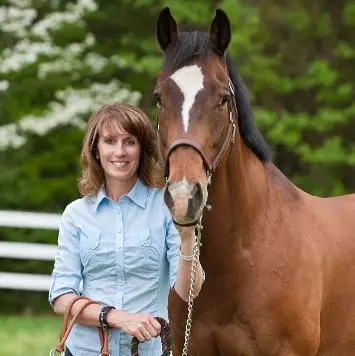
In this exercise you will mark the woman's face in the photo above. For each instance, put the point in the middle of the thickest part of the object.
(119, 155)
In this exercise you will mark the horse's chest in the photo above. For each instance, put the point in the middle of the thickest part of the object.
(225, 330)
(224, 340)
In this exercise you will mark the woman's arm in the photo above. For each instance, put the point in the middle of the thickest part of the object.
(182, 238)
(141, 325)
(88, 317)
(183, 277)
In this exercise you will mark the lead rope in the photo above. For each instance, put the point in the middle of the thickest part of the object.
(195, 258)
(165, 336)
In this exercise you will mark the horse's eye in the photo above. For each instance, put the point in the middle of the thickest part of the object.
(224, 100)
(158, 101)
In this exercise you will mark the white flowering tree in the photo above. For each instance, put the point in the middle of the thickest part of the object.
(52, 56)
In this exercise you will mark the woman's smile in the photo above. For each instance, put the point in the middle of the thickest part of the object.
(120, 164)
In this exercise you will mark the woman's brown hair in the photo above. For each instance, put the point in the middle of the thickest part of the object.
(135, 122)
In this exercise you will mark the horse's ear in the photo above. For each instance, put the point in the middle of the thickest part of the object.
(220, 32)
(167, 30)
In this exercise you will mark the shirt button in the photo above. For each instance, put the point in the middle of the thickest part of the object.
(119, 231)
(121, 284)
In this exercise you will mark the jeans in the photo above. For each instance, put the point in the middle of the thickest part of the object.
(67, 352)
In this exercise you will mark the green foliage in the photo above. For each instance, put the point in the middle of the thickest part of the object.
(302, 84)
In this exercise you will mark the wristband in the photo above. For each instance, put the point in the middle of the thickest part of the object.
(103, 316)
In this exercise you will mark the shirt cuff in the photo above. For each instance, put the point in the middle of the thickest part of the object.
(60, 285)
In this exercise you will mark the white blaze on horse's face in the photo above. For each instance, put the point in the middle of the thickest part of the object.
(190, 81)
(180, 193)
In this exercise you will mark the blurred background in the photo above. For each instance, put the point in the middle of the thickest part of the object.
(60, 60)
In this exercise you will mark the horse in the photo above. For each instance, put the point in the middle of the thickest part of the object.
(279, 262)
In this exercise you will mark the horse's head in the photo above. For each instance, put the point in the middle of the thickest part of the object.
(195, 111)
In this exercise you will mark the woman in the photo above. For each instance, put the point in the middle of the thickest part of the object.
(119, 239)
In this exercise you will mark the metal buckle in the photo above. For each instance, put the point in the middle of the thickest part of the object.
(157, 127)
(209, 177)
(231, 87)
(233, 126)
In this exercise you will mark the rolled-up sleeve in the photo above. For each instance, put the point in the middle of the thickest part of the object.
(67, 272)
(173, 245)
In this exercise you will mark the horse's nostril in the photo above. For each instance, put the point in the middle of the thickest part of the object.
(196, 195)
(167, 196)
(194, 189)
(196, 200)
(197, 191)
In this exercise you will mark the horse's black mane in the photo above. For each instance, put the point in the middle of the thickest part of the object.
(195, 43)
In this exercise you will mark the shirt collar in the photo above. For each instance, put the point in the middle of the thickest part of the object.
(138, 194)
(100, 196)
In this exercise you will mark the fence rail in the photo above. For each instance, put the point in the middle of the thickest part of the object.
(27, 251)
(29, 220)
(32, 251)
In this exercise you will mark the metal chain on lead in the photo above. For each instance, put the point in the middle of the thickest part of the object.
(195, 258)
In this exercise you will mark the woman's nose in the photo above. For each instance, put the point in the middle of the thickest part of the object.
(120, 150)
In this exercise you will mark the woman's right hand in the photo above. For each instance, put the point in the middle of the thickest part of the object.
(141, 325)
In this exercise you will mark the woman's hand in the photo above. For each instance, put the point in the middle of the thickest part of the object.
(141, 325)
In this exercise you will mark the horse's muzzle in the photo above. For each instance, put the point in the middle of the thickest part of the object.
(185, 201)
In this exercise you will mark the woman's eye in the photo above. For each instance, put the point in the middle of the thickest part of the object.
(109, 141)
(130, 142)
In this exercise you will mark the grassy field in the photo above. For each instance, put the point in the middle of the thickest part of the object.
(28, 336)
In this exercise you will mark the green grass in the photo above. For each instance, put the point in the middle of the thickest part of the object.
(28, 336)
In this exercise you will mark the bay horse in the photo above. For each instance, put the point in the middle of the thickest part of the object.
(279, 263)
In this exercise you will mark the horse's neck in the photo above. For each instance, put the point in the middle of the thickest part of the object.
(242, 196)
(242, 183)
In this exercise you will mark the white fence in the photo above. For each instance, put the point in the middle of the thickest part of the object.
(19, 250)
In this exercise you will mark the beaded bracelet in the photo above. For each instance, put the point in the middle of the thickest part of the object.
(186, 258)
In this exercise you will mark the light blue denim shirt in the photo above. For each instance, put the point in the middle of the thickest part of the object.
(126, 255)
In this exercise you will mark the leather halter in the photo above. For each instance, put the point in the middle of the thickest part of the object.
(209, 164)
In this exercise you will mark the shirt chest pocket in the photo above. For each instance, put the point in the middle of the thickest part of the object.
(95, 248)
(152, 244)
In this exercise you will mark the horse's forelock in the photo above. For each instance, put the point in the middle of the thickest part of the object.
(190, 45)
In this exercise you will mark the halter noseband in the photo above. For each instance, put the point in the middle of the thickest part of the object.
(210, 165)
